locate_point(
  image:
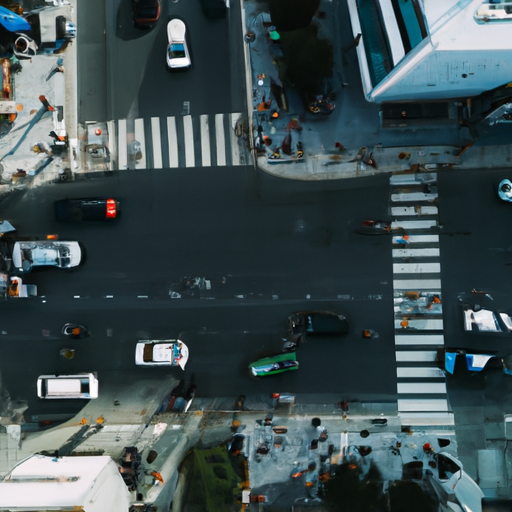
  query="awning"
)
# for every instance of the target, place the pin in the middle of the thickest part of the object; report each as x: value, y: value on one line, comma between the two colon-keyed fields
x: 12, y: 22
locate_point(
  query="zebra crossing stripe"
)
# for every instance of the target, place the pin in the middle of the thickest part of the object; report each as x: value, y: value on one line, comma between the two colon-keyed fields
x: 413, y: 224
x: 422, y: 419
x: 419, y: 339
x: 423, y: 388
x: 416, y: 268
x: 404, y: 197
x: 172, y: 138
x: 417, y: 239
x: 190, y: 159
x: 122, y: 154
x: 414, y: 210
x: 111, y: 127
x: 417, y: 373
x: 433, y: 405
x: 235, y: 151
x: 416, y: 253
x: 157, y: 143
x: 416, y: 284
x: 141, y: 138
x: 415, y: 356
x: 422, y: 324
x: 221, y: 142
x: 205, y: 140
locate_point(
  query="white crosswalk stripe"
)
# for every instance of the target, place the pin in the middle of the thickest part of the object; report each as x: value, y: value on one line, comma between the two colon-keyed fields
x: 182, y: 141
x: 421, y: 383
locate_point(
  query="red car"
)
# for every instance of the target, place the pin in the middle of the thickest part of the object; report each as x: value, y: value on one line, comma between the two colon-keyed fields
x: 146, y: 12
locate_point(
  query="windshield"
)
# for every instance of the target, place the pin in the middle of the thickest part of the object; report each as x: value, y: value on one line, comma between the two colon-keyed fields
x: 177, y: 51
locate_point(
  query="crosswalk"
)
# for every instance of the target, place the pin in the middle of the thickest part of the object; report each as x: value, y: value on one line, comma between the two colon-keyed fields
x: 178, y: 141
x: 421, y: 384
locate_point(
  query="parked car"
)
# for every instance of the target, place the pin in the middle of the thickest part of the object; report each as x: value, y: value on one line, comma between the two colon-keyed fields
x: 478, y: 319
x: 317, y: 322
x: 146, y: 12
x: 161, y: 353
x: 87, y: 208
x: 45, y: 253
x: 177, y: 49
x: 275, y: 364
x: 475, y: 360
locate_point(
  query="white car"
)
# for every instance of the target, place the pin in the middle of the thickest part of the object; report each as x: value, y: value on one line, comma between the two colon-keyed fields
x: 485, y: 320
x: 161, y: 353
x: 177, y: 49
x: 45, y: 253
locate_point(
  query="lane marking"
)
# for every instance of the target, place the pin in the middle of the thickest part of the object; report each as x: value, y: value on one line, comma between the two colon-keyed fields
x: 157, y: 142
x: 188, y: 129
x: 219, y: 137
x: 205, y: 140
x: 172, y: 136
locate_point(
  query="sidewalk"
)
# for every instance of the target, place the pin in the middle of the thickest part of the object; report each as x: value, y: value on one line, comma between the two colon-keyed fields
x: 290, y: 142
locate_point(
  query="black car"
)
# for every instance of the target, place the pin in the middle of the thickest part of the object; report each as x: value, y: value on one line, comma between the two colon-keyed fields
x: 146, y: 12
x: 86, y: 209
x: 317, y: 322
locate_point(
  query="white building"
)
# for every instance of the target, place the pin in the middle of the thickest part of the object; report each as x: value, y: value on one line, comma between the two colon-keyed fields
x: 88, y: 484
x: 432, y: 49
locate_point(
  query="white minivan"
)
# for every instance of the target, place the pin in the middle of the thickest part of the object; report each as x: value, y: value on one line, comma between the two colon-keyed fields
x: 82, y: 385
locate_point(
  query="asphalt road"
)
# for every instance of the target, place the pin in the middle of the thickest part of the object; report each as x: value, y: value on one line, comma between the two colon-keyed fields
x: 123, y: 72
x: 275, y: 242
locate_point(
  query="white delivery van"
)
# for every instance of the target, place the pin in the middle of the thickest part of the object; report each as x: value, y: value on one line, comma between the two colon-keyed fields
x: 82, y: 385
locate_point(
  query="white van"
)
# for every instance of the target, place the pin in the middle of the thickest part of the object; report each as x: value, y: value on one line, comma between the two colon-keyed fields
x: 82, y: 385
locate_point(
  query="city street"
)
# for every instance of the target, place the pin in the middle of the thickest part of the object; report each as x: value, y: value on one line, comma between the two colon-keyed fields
x: 275, y: 242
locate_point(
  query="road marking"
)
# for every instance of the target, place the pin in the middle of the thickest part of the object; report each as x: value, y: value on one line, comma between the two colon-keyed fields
x: 414, y: 210
x: 419, y: 339
x: 205, y: 140
x: 422, y: 388
x: 422, y: 324
x: 409, y: 197
x: 122, y: 145
x: 416, y: 253
x: 189, y: 141
x: 157, y: 142
x: 111, y: 128
x: 423, y: 405
x: 413, y: 179
x: 416, y: 268
x: 173, y: 142
x: 418, y: 239
x: 416, y: 284
x: 141, y: 139
x: 235, y: 151
x: 219, y: 137
x: 422, y: 419
x: 416, y: 373
x: 413, y: 224
x: 416, y: 356
x: 142, y: 296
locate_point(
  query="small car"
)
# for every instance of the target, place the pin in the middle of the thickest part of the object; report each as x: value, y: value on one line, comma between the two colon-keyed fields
x: 161, y: 353
x: 45, y: 253
x: 484, y: 320
x: 505, y: 190
x: 87, y: 208
x: 317, y: 322
x: 475, y: 360
x: 275, y: 364
x: 146, y: 12
x: 177, y: 49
